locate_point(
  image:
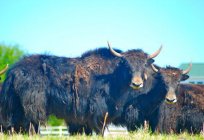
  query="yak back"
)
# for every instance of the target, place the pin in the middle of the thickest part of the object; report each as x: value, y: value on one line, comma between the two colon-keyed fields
x: 190, y: 94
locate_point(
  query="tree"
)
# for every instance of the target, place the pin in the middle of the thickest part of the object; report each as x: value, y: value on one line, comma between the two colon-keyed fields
x: 9, y: 54
x: 54, y: 121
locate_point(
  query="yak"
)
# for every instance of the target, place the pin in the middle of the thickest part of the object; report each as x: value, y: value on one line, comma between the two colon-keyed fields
x: 108, y: 89
x: 40, y: 85
x: 27, y: 93
x: 185, y: 115
x: 141, y: 108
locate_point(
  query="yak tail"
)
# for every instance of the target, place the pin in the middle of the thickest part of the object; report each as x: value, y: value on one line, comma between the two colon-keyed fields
x: 10, y: 107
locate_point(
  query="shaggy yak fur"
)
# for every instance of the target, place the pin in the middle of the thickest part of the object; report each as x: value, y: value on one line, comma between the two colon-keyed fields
x: 142, y: 107
x: 75, y: 89
x: 186, y: 115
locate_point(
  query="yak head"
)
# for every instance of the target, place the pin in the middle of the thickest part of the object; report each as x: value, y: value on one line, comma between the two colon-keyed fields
x: 171, y: 78
x: 137, y: 64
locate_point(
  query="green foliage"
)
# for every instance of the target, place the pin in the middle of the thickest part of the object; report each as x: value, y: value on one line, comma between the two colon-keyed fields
x: 54, y: 121
x: 9, y: 54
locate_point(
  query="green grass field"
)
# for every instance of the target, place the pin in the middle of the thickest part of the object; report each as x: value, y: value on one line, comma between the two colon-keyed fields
x: 139, y: 135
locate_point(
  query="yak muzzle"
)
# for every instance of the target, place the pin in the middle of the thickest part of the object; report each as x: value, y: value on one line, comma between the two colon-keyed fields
x: 170, y: 101
x: 171, y: 97
x: 136, y: 82
x: 136, y: 86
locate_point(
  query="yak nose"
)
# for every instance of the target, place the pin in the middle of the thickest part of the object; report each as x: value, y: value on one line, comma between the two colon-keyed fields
x: 136, y: 85
x: 171, y: 101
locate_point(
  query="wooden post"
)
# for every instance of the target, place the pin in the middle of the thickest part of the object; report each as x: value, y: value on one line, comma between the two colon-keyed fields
x: 1, y: 129
x: 104, y: 123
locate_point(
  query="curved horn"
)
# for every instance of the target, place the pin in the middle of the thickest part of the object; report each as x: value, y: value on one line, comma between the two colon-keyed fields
x: 114, y: 52
x: 4, y: 70
x: 188, y: 69
x: 153, y: 68
x: 155, y: 53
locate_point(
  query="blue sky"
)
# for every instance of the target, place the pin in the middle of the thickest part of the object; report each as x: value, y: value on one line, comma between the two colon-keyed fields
x: 69, y: 28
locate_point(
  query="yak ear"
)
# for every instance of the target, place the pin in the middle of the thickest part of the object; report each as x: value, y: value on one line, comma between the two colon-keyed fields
x: 184, y: 77
x: 150, y: 61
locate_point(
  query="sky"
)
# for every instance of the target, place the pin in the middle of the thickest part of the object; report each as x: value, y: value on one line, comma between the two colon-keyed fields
x: 72, y: 27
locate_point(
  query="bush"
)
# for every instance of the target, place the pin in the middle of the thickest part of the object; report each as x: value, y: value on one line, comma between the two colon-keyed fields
x: 9, y: 54
x: 54, y: 121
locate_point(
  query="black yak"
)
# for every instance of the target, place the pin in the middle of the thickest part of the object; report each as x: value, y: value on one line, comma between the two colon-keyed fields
x: 108, y: 89
x: 28, y: 91
x: 40, y: 85
x: 141, y: 108
x: 185, y: 115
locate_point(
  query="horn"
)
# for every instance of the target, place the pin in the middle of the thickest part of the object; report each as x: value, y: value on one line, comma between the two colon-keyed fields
x: 153, y: 68
x: 114, y: 52
x: 145, y: 76
x: 155, y: 53
x: 4, y: 70
x: 188, y: 69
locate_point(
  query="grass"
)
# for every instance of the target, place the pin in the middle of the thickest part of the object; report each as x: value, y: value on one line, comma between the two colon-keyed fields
x: 139, y: 135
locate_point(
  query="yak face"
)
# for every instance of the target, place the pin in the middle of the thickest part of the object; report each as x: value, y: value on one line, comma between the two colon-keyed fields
x: 138, y: 63
x: 172, y: 77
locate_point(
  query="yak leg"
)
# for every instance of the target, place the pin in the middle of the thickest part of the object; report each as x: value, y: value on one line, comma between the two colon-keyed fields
x: 79, y: 129
x: 97, y: 125
x: 34, y: 105
x: 75, y: 129
x: 87, y: 130
x: 29, y: 127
